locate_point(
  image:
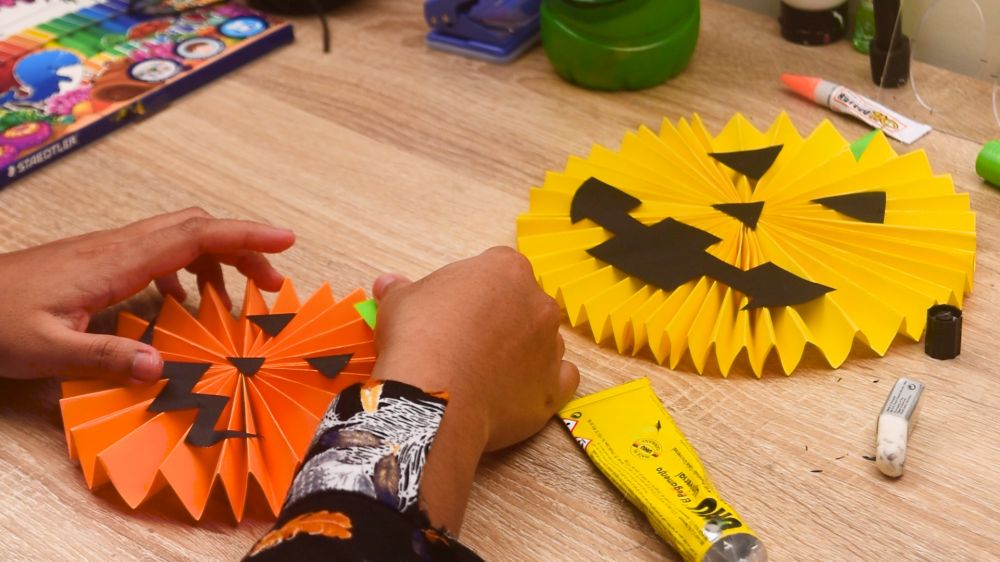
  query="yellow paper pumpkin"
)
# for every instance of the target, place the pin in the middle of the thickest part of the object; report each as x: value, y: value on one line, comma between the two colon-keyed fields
x: 753, y: 241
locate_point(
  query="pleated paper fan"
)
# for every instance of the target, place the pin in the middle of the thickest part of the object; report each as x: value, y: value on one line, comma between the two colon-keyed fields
x: 749, y: 242
x: 239, y: 398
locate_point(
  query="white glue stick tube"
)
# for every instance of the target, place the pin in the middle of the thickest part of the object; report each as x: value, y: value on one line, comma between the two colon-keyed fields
x: 895, y: 423
x: 843, y: 100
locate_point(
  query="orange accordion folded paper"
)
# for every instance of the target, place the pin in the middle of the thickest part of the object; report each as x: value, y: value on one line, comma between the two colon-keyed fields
x: 240, y: 397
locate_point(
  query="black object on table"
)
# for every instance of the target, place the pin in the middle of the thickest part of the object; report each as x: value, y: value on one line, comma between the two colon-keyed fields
x: 944, y: 332
x: 300, y: 7
x: 889, y: 50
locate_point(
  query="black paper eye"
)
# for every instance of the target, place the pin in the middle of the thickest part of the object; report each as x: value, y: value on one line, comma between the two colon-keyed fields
x: 867, y: 206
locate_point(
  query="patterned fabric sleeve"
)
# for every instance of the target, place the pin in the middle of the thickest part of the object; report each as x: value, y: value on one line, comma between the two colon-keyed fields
x: 356, y: 495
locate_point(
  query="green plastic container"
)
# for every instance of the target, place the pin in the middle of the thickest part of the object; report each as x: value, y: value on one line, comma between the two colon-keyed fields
x: 988, y: 163
x: 619, y: 44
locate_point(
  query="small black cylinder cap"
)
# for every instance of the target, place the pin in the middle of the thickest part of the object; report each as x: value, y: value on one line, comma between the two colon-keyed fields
x: 889, y: 50
x: 813, y: 27
x: 890, y: 67
x: 944, y: 332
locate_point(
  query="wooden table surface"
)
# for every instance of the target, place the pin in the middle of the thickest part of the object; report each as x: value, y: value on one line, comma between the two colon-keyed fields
x: 385, y: 155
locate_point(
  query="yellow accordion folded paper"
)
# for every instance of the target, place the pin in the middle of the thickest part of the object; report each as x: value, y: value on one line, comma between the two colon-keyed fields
x: 749, y: 242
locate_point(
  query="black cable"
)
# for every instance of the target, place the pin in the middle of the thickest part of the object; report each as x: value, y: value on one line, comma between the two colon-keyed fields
x: 300, y: 7
x: 326, y: 25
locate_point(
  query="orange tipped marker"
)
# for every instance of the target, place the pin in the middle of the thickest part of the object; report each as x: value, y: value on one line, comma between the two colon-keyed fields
x: 842, y: 100
x: 805, y: 86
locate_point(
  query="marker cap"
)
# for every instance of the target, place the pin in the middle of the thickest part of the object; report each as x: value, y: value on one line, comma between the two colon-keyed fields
x: 813, y: 27
x: 889, y: 50
x: 988, y: 162
x: 890, y: 66
x: 944, y: 332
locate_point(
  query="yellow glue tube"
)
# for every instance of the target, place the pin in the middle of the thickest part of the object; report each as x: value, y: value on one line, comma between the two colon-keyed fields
x: 631, y: 438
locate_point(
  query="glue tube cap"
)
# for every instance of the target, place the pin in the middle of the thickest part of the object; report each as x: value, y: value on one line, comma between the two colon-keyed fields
x: 988, y: 162
x: 944, y: 332
x: 813, y: 27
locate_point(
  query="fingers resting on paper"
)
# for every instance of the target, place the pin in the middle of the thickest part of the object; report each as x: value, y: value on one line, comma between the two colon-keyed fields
x: 50, y: 292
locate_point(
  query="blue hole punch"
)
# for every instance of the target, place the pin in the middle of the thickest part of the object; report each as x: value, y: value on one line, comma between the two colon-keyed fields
x: 493, y: 30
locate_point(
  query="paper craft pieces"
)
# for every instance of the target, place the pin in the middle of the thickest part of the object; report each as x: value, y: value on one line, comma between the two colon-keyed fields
x: 749, y: 242
x: 239, y: 398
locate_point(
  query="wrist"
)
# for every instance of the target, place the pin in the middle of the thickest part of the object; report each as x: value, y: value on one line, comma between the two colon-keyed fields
x: 460, y: 441
x: 465, y: 414
x: 373, y: 440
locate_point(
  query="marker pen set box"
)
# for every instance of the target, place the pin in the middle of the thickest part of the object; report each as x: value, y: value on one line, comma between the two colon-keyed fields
x: 73, y: 72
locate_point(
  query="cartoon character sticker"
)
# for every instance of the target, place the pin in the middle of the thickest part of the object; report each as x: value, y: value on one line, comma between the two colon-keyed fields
x: 40, y: 75
x: 199, y: 48
x: 243, y: 27
x: 8, y: 154
x: 26, y: 135
x: 155, y: 70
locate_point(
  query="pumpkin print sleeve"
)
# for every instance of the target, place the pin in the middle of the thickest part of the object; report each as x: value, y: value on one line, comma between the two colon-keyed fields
x: 356, y: 495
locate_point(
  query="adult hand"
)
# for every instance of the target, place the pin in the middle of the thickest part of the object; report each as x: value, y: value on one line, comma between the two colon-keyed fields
x: 482, y: 330
x: 49, y: 293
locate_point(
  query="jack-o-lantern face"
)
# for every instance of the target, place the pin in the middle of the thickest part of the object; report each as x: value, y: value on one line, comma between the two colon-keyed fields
x: 749, y: 241
x: 239, y: 397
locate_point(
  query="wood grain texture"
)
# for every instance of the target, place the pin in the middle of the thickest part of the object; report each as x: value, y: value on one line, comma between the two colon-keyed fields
x: 384, y: 155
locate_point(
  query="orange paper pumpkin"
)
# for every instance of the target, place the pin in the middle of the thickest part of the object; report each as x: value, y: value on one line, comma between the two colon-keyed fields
x: 239, y: 397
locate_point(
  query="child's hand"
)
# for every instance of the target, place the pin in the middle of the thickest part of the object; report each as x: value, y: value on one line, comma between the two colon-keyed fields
x: 49, y: 293
x: 484, y: 331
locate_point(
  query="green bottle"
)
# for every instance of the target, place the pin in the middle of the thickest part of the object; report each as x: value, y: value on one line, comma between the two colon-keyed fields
x: 864, y: 26
x: 988, y: 163
x: 619, y: 44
